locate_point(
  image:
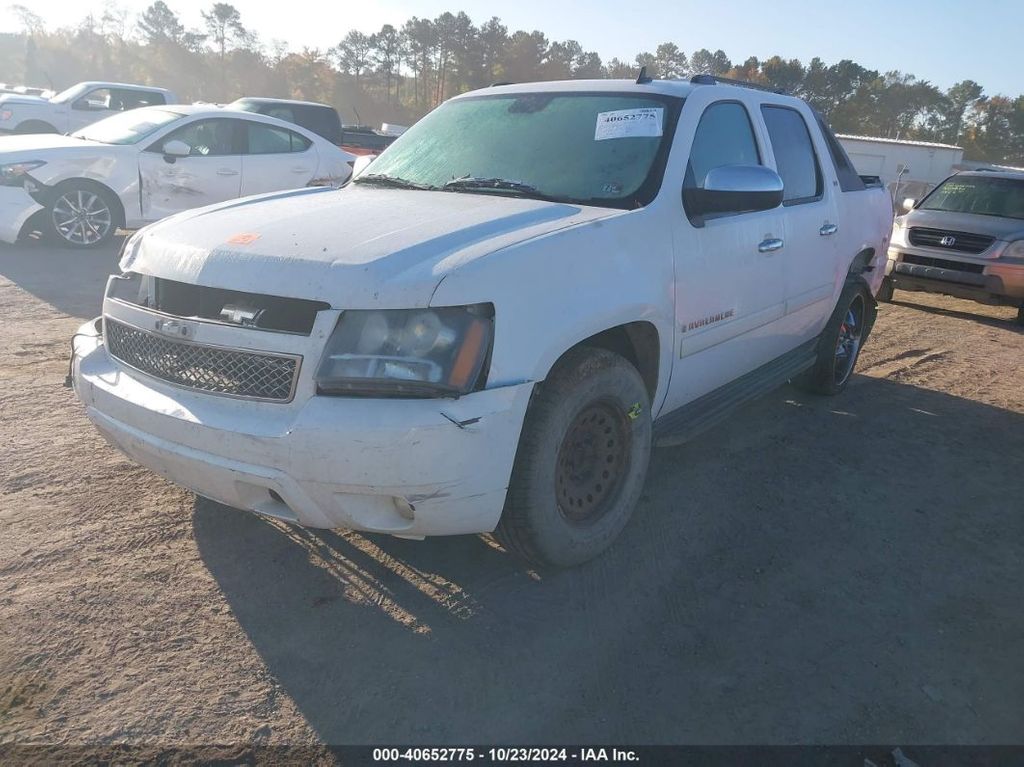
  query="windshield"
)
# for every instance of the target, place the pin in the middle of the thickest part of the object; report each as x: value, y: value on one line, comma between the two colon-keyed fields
x: 984, y: 196
x: 595, y: 148
x: 70, y: 94
x: 128, y: 127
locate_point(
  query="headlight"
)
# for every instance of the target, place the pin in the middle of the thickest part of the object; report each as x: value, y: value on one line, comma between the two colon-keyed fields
x: 1014, y: 250
x: 11, y: 174
x: 131, y: 287
x: 407, y: 352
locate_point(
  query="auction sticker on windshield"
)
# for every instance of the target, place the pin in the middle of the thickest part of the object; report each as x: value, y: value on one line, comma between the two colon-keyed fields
x: 629, y: 123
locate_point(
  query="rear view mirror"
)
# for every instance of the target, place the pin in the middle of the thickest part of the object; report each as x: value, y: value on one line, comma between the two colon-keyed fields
x: 176, y: 148
x: 735, y: 189
x: 909, y: 203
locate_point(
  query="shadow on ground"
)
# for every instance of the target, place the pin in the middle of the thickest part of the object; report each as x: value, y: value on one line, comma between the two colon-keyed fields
x: 981, y: 319
x: 71, y: 281
x: 816, y: 570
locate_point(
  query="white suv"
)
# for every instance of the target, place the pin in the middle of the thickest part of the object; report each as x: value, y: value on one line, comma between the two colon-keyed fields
x: 489, y: 328
x: 76, y: 107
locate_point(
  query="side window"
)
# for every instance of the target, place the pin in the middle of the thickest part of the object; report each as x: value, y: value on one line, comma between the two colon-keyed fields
x: 268, y: 139
x: 724, y: 137
x: 207, y: 138
x: 794, y: 155
x: 134, y: 99
x: 321, y: 120
x: 281, y: 113
x: 849, y: 181
x: 98, y: 99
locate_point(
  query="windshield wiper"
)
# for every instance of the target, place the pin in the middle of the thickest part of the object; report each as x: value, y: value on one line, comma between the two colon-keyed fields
x: 395, y: 182
x: 494, y: 184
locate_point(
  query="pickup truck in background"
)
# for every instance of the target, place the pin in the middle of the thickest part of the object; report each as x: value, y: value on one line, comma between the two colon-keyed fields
x: 322, y: 119
x: 964, y: 239
x: 490, y: 327
x: 78, y: 106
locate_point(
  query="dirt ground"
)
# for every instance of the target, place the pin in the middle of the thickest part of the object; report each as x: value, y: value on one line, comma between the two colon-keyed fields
x: 815, y: 570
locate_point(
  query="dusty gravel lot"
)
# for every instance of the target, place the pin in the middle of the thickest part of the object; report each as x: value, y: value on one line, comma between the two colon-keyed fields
x: 816, y: 570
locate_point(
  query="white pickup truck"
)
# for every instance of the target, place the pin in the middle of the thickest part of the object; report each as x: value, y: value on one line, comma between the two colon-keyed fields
x: 78, y: 106
x: 488, y: 330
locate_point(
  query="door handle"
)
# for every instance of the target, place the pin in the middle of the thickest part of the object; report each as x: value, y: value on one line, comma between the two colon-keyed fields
x: 300, y: 169
x: 770, y: 245
x: 227, y: 172
x: 828, y: 229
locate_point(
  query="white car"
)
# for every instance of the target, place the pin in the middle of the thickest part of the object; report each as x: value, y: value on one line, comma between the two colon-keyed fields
x: 140, y: 166
x: 488, y: 329
x: 76, y: 107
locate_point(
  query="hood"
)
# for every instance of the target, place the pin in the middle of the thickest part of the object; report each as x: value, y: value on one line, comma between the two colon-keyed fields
x: 991, y: 226
x: 357, y: 247
x: 18, y: 98
x: 33, y: 143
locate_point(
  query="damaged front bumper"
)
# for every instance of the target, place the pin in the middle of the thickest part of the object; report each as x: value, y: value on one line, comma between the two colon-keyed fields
x: 16, y: 207
x: 409, y: 467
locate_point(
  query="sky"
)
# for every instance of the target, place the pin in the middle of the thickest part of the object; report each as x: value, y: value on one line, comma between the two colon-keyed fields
x: 942, y: 41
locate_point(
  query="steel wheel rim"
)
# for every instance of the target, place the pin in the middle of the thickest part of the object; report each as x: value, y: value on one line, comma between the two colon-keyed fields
x: 848, y: 343
x: 82, y: 217
x: 593, y: 462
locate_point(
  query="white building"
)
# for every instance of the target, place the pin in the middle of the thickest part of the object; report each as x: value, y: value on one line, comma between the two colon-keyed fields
x: 923, y: 163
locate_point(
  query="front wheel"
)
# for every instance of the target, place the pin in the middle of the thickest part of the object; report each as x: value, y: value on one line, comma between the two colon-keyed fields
x: 581, y: 462
x: 82, y: 215
x: 840, y: 342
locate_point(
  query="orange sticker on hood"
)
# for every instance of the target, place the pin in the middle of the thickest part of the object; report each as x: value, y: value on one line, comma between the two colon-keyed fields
x: 243, y: 239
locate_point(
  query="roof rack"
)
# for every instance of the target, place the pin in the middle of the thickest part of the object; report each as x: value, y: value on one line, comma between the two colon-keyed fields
x: 716, y: 80
x: 500, y: 83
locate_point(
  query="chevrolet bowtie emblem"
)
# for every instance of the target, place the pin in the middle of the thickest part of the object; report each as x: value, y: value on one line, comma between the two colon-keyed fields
x: 240, y: 315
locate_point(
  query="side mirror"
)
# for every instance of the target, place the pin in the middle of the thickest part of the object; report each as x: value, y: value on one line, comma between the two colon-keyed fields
x: 82, y: 104
x: 909, y: 203
x: 362, y: 163
x: 736, y: 189
x: 176, y: 148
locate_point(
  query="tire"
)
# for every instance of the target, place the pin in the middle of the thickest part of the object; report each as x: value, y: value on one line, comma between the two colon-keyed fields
x: 886, y: 291
x: 841, y: 341
x: 581, y: 462
x: 82, y: 215
x: 1020, y: 316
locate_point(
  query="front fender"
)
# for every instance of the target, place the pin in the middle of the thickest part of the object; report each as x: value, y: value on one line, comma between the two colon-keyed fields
x: 558, y: 289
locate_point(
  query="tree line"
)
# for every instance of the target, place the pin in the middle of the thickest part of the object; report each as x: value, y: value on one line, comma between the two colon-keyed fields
x: 398, y: 73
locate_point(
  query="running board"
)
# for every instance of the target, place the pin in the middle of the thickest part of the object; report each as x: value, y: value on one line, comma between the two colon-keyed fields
x: 686, y: 422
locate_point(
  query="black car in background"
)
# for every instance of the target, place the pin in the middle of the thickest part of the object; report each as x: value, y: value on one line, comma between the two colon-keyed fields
x: 322, y: 119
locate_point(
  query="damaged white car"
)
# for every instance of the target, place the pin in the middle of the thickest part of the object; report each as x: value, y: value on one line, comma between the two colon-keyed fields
x: 142, y: 165
x: 490, y: 327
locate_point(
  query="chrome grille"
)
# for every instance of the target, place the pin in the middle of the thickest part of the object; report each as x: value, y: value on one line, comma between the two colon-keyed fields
x: 964, y: 242
x: 255, y: 375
